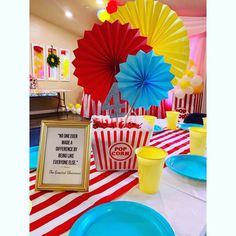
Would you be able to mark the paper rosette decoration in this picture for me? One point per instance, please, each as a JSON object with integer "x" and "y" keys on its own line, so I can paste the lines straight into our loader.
{"x": 190, "y": 83}
{"x": 163, "y": 28}
{"x": 99, "y": 54}
{"x": 144, "y": 79}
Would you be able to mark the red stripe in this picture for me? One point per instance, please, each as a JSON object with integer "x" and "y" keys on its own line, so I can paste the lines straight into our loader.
{"x": 102, "y": 176}
{"x": 180, "y": 102}
{"x": 68, "y": 224}
{"x": 98, "y": 149}
{"x": 121, "y": 135}
{"x": 55, "y": 198}
{"x": 185, "y": 151}
{"x": 133, "y": 138}
{"x": 163, "y": 134}
{"x": 127, "y": 136}
{"x": 109, "y": 144}
{"x": 132, "y": 144}
{"x": 185, "y": 101}
{"x": 181, "y": 132}
{"x": 32, "y": 187}
{"x": 38, "y": 194}
{"x": 165, "y": 130}
{"x": 145, "y": 138}
{"x": 120, "y": 167}
{"x": 104, "y": 149}
{"x": 174, "y": 149}
{"x": 190, "y": 103}
{"x": 195, "y": 102}
{"x": 77, "y": 201}
{"x": 32, "y": 178}
{"x": 162, "y": 115}
{"x": 121, "y": 139}
{"x": 93, "y": 170}
{"x": 175, "y": 106}
{"x": 175, "y": 141}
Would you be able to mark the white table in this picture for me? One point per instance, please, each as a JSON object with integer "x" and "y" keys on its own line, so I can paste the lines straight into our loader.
{"x": 181, "y": 201}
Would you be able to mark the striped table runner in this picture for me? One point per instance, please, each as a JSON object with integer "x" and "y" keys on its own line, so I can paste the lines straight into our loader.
{"x": 54, "y": 213}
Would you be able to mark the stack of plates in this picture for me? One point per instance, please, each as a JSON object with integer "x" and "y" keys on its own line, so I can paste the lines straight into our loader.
{"x": 34, "y": 157}
{"x": 186, "y": 126}
{"x": 191, "y": 166}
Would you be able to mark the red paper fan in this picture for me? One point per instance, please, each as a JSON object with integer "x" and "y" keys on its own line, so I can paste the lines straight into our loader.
{"x": 99, "y": 54}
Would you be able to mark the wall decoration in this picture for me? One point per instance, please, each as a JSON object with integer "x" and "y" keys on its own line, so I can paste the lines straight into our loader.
{"x": 64, "y": 156}
{"x": 111, "y": 7}
{"x": 99, "y": 54}
{"x": 190, "y": 83}
{"x": 52, "y": 72}
{"x": 103, "y": 15}
{"x": 163, "y": 28}
{"x": 64, "y": 55}
{"x": 146, "y": 84}
{"x": 38, "y": 61}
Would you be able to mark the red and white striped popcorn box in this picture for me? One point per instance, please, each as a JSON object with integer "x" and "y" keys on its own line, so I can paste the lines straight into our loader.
{"x": 114, "y": 148}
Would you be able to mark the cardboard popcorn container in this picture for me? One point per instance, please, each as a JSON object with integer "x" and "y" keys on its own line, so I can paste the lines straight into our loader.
{"x": 114, "y": 148}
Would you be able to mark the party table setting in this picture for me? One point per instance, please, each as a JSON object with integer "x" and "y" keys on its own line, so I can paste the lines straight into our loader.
{"x": 139, "y": 175}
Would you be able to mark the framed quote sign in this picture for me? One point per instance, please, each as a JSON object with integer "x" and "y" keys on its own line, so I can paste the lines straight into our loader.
{"x": 64, "y": 156}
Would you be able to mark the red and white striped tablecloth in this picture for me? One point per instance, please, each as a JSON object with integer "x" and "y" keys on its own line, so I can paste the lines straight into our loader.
{"x": 54, "y": 213}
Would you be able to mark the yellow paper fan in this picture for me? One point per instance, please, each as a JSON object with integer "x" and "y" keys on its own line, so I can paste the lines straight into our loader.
{"x": 163, "y": 28}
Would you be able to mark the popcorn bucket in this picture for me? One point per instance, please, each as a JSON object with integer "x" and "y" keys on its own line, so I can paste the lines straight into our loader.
{"x": 114, "y": 147}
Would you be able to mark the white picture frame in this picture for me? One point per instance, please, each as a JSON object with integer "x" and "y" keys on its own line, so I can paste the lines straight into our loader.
{"x": 52, "y": 73}
{"x": 64, "y": 55}
{"x": 38, "y": 71}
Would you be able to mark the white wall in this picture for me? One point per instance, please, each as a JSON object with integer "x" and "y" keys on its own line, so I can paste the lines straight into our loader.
{"x": 45, "y": 33}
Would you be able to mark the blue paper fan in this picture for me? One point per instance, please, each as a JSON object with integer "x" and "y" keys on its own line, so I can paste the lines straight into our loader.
{"x": 144, "y": 79}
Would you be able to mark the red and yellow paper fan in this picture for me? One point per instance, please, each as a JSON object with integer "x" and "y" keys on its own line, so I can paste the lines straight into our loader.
{"x": 99, "y": 54}
{"x": 163, "y": 28}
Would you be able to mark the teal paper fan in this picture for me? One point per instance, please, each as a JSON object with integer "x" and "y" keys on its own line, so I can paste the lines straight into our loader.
{"x": 144, "y": 80}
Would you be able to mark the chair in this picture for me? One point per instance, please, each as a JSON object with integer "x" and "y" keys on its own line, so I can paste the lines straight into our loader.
{"x": 195, "y": 118}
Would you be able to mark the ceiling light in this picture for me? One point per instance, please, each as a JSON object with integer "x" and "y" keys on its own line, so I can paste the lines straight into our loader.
{"x": 100, "y": 2}
{"x": 68, "y": 14}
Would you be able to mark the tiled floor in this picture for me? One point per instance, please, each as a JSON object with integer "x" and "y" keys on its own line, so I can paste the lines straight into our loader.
{"x": 35, "y": 120}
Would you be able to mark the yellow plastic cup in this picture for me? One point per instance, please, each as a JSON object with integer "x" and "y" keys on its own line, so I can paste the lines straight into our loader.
{"x": 150, "y": 165}
{"x": 204, "y": 122}
{"x": 150, "y": 119}
{"x": 197, "y": 141}
{"x": 172, "y": 119}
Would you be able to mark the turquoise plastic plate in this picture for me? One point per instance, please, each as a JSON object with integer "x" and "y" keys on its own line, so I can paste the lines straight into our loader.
{"x": 186, "y": 126}
{"x": 121, "y": 219}
{"x": 191, "y": 166}
{"x": 157, "y": 128}
{"x": 34, "y": 157}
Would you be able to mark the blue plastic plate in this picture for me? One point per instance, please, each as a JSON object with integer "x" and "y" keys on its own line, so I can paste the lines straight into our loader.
{"x": 34, "y": 157}
{"x": 157, "y": 128}
{"x": 191, "y": 166}
{"x": 121, "y": 218}
{"x": 186, "y": 126}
